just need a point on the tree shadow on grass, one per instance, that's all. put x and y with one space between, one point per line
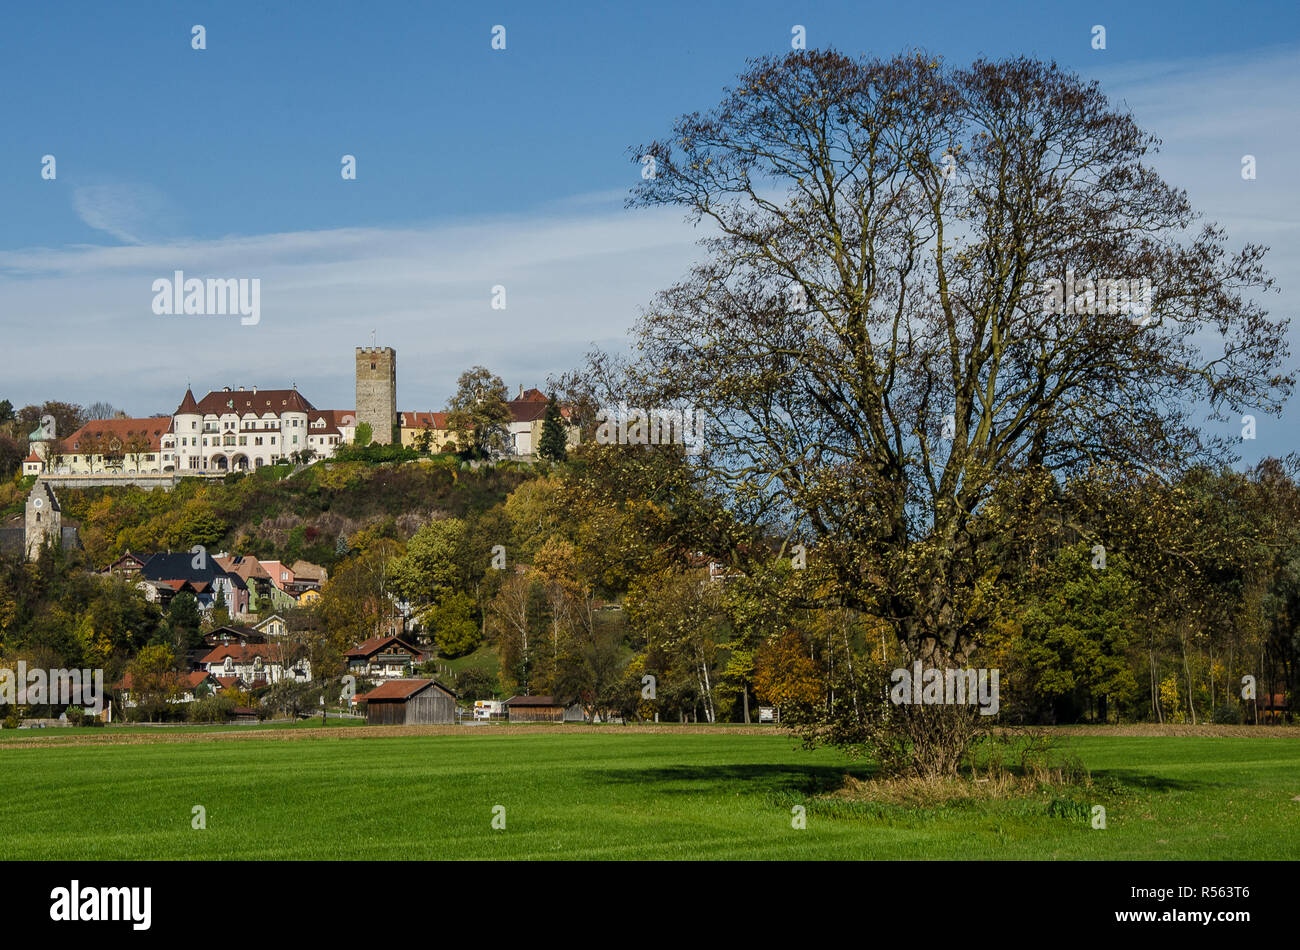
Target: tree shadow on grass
748 779
1134 780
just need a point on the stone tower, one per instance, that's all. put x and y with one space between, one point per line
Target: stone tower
44 519
377 391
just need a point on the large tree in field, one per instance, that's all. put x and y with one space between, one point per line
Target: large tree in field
905 309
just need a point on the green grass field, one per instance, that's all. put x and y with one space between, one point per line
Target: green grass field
619 794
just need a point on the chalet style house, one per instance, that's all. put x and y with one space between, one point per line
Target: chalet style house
255 665
383 658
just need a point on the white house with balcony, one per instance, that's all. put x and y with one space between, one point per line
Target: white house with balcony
254 665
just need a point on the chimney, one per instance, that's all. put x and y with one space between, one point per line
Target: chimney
521 391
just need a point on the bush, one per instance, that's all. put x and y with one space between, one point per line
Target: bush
11 721
1227 715
156 712
473 683
76 715
215 708
374 454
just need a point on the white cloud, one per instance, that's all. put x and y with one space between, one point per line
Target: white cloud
131 213
570 281
575 275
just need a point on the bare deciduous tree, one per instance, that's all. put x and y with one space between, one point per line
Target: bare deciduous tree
873 328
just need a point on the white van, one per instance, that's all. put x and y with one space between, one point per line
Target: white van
489 709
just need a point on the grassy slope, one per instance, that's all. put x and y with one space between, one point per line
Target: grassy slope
613 796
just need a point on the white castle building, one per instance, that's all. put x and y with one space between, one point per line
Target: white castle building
225 431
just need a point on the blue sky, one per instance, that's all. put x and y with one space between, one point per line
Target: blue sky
478 167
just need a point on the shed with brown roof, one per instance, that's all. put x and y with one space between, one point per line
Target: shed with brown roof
534 709
410 702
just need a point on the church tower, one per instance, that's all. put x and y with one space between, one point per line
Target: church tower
44 519
377 391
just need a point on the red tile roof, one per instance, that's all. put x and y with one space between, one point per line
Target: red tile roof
306 570
118 435
374 645
246 567
531 406
523 410
242 652
260 402
334 420
33 458
421 420
188 405
187 681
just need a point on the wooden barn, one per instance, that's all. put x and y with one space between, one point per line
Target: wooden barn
534 709
409 703
1272 707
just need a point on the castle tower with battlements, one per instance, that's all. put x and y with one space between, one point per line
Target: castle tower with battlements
377 391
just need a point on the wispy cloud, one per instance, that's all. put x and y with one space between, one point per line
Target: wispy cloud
575 275
130 213
571 280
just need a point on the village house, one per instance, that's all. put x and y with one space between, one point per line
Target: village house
273 627
128 566
185 687
305 572
255 665
163 576
527 415
263 593
415 426
383 658
232 633
327 429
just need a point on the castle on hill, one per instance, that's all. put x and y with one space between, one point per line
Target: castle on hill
239 430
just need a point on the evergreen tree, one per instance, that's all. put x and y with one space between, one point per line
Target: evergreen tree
554 445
